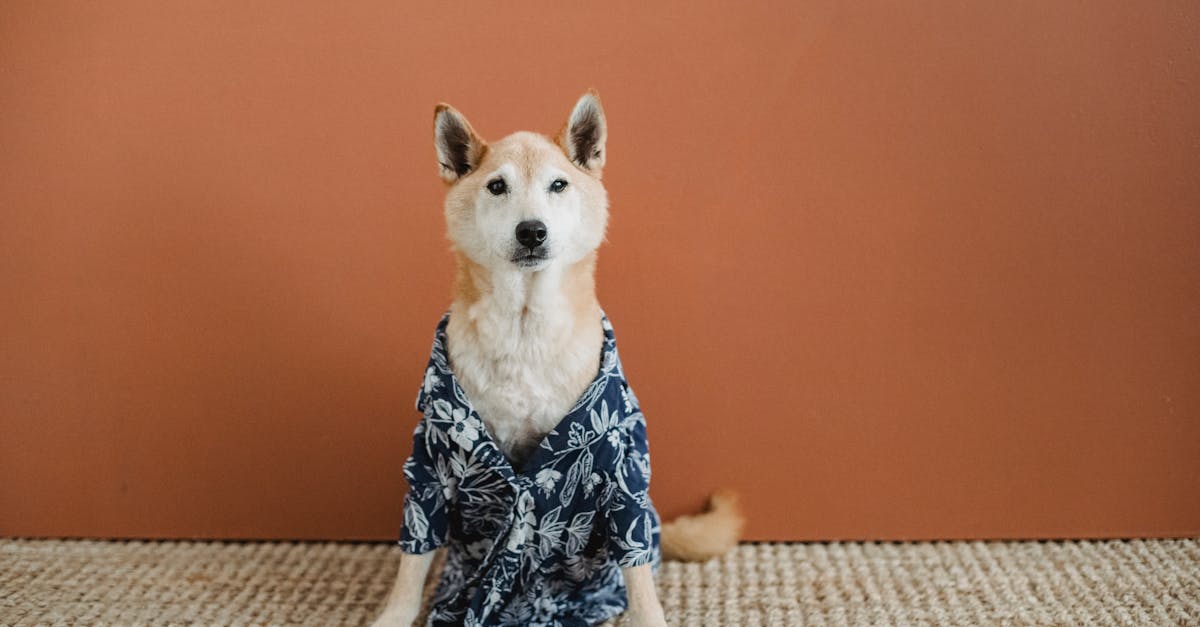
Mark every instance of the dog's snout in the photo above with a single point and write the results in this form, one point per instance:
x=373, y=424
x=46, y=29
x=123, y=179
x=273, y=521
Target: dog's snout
x=531, y=233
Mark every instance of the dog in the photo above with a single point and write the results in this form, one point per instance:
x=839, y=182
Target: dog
x=531, y=463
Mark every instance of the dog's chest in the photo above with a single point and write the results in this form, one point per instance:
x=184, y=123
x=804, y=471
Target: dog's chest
x=523, y=374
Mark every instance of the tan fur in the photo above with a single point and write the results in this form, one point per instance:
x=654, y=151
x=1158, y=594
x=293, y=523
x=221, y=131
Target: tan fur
x=524, y=345
x=503, y=333
x=524, y=341
x=706, y=535
x=595, y=164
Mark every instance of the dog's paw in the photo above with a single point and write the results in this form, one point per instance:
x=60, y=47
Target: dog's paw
x=644, y=617
x=395, y=618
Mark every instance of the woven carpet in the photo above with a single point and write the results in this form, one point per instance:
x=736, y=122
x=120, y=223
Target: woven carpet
x=942, y=583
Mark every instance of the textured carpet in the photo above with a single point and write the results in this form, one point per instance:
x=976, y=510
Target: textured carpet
x=944, y=583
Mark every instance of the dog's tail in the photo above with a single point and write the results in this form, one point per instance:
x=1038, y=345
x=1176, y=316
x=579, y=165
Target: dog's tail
x=709, y=534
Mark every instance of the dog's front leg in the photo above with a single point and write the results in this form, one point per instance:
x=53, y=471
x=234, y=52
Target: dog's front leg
x=644, y=608
x=404, y=603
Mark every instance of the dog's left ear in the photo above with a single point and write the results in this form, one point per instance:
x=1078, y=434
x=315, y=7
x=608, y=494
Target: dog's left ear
x=584, y=134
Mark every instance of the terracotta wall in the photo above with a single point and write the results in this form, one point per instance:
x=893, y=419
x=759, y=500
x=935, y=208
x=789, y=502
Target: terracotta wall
x=896, y=270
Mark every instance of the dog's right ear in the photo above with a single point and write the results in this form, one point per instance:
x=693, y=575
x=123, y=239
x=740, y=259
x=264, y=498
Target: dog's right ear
x=459, y=149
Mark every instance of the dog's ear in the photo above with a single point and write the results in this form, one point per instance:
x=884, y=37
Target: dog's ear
x=585, y=132
x=459, y=149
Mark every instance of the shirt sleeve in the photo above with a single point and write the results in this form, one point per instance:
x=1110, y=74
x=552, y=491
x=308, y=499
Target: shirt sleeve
x=633, y=524
x=426, y=515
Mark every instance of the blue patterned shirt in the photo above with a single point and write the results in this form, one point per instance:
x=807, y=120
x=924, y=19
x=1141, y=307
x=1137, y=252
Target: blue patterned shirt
x=540, y=546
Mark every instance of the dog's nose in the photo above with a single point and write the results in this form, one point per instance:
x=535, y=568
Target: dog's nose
x=531, y=233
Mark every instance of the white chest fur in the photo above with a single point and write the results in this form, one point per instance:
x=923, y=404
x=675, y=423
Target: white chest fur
x=523, y=355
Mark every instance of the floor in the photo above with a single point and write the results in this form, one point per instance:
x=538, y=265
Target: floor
x=944, y=583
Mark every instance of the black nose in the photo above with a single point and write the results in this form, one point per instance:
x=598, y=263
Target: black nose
x=531, y=233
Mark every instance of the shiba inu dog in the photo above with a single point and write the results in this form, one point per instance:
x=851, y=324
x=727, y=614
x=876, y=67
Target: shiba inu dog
x=495, y=476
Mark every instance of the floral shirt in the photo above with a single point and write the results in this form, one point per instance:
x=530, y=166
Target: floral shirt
x=540, y=546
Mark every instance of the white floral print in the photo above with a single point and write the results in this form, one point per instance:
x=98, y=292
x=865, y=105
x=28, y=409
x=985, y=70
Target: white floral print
x=543, y=546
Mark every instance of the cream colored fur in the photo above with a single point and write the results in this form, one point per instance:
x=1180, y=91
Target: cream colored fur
x=525, y=342
x=524, y=339
x=521, y=358
x=706, y=535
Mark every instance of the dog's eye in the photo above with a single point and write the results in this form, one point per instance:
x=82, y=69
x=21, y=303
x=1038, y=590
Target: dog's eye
x=558, y=185
x=497, y=187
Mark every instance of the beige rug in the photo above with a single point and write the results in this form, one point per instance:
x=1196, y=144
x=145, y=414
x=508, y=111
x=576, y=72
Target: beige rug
x=944, y=583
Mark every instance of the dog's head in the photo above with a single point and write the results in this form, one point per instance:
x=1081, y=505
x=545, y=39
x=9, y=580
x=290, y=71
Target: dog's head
x=525, y=202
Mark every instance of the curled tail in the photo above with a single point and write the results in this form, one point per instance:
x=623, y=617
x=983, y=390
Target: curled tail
x=709, y=534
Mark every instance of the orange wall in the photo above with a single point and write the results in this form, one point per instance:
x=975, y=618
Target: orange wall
x=901, y=270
